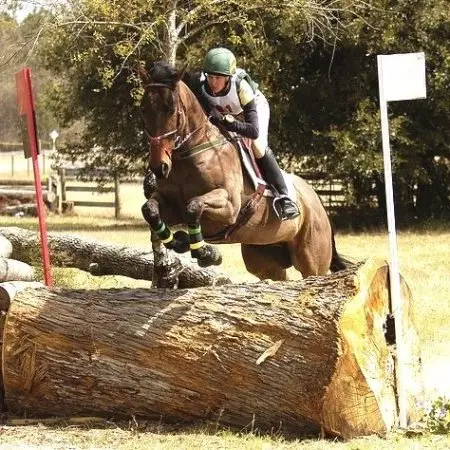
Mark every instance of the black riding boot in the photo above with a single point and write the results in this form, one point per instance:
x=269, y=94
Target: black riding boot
x=272, y=174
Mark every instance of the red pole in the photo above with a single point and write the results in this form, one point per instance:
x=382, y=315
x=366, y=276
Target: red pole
x=31, y=148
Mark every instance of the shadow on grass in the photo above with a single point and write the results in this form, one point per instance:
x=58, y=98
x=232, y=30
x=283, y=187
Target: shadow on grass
x=166, y=428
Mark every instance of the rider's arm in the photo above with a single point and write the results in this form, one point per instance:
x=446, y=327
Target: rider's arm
x=249, y=126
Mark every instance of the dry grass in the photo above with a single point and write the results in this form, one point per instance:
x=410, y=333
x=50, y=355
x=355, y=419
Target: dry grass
x=424, y=264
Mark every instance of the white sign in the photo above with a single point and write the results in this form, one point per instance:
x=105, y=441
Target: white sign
x=54, y=135
x=402, y=76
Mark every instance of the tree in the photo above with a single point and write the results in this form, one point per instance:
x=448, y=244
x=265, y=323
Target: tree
x=329, y=106
x=17, y=51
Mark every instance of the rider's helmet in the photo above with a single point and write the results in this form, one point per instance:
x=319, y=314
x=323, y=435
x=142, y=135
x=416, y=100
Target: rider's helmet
x=220, y=61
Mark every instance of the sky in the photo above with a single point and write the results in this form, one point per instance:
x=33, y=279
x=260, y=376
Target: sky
x=28, y=6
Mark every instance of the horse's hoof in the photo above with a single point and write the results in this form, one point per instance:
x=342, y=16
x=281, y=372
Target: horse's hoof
x=181, y=241
x=208, y=256
x=213, y=258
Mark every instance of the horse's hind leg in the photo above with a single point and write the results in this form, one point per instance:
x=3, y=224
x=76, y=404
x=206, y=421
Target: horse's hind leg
x=267, y=261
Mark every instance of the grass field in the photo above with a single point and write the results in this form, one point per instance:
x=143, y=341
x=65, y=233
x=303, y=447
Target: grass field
x=424, y=264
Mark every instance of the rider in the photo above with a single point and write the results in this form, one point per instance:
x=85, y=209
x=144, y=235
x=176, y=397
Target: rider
x=227, y=96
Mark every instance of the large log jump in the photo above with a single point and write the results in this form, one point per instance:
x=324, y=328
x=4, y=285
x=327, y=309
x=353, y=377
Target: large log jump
x=305, y=356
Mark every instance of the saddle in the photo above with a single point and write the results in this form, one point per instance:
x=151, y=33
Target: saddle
x=262, y=188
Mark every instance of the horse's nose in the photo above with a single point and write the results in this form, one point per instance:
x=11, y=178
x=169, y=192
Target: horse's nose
x=162, y=171
x=165, y=169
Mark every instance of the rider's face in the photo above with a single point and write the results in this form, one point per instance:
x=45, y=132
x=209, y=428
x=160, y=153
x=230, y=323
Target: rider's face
x=217, y=83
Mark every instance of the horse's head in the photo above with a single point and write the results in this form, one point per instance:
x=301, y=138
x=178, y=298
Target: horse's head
x=163, y=114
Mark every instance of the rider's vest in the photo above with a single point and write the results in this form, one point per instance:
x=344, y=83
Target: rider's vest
x=239, y=93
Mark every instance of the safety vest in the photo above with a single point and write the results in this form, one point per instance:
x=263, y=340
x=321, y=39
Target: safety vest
x=230, y=103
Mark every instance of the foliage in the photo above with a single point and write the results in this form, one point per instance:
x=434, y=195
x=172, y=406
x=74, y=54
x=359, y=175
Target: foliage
x=437, y=418
x=15, y=54
x=326, y=107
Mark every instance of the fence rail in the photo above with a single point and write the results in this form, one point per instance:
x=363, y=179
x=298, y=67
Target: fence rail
x=116, y=204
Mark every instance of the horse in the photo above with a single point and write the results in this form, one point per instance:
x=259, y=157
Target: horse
x=200, y=184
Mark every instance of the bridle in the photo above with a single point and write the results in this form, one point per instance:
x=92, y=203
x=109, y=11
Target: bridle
x=179, y=140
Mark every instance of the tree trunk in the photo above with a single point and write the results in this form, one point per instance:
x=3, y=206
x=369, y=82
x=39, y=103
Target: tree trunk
x=103, y=259
x=13, y=270
x=299, y=356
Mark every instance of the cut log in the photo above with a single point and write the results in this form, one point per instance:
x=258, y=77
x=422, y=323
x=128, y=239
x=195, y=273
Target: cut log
x=13, y=270
x=26, y=196
x=5, y=247
x=104, y=259
x=300, y=356
x=24, y=209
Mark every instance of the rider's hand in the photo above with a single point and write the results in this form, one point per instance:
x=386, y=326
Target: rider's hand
x=216, y=117
x=230, y=123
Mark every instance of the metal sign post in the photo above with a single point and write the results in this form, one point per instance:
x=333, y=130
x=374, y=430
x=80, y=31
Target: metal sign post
x=400, y=77
x=31, y=150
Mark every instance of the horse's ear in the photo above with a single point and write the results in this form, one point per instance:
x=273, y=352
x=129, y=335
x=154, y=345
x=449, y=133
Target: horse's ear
x=143, y=74
x=182, y=71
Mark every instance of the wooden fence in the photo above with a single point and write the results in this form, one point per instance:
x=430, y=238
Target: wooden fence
x=330, y=190
x=68, y=174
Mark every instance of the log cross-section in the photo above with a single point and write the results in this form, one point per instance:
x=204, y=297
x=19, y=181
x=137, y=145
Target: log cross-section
x=299, y=356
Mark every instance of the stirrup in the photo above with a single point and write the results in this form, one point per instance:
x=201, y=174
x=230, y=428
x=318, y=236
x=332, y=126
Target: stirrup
x=280, y=203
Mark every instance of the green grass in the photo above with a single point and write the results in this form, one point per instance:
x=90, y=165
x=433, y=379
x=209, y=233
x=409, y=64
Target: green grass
x=424, y=263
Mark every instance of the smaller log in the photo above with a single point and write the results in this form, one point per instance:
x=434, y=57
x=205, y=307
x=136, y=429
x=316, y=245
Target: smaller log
x=26, y=196
x=13, y=270
x=5, y=247
x=100, y=258
x=27, y=209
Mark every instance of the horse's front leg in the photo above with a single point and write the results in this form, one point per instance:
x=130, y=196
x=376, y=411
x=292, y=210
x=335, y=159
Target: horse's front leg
x=179, y=242
x=217, y=206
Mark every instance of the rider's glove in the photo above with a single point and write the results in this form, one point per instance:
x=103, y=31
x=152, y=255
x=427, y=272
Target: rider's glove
x=216, y=117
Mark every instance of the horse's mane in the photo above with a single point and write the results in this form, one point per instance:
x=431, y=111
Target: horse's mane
x=163, y=72
x=192, y=80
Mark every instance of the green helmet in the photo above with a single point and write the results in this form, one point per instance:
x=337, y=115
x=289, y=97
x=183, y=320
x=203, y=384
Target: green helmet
x=220, y=61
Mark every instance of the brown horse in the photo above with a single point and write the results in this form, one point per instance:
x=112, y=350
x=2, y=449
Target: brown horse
x=200, y=183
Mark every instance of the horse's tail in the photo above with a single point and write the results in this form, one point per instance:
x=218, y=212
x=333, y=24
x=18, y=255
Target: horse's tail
x=339, y=262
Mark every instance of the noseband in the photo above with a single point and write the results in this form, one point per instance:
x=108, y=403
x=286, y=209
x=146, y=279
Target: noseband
x=179, y=141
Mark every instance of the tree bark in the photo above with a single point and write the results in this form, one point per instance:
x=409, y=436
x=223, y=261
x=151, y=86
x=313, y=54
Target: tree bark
x=103, y=259
x=13, y=270
x=300, y=356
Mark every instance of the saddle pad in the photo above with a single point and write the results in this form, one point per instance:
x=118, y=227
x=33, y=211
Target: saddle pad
x=248, y=166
